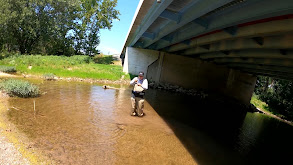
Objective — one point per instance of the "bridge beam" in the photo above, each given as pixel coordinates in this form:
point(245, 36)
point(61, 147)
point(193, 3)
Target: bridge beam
point(258, 61)
point(266, 73)
point(151, 16)
point(254, 53)
point(201, 22)
point(264, 68)
point(277, 27)
point(284, 41)
point(171, 16)
point(225, 19)
point(194, 10)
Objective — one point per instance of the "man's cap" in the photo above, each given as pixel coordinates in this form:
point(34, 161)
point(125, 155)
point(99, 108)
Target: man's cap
point(141, 74)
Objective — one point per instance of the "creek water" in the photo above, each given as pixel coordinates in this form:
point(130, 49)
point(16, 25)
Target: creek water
point(82, 123)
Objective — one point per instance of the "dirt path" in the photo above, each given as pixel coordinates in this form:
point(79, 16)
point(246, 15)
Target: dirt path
point(2, 74)
point(9, 154)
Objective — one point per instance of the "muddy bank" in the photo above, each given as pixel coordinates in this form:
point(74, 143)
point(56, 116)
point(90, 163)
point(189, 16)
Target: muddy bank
point(121, 81)
point(2, 74)
point(56, 78)
point(9, 154)
point(12, 148)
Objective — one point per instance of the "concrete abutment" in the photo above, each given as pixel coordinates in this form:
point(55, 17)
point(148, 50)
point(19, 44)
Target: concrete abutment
point(190, 73)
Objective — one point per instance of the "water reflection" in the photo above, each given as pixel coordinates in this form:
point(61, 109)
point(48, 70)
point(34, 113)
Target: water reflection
point(250, 131)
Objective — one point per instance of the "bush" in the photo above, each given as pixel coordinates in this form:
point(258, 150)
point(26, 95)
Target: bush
point(5, 54)
point(49, 76)
point(277, 94)
point(102, 59)
point(19, 88)
point(7, 69)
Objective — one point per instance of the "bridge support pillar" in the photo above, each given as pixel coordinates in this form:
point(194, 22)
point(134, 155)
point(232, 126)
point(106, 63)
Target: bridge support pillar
point(195, 73)
point(161, 67)
point(137, 60)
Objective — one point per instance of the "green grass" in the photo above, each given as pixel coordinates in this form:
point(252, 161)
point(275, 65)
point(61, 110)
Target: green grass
point(263, 106)
point(61, 66)
point(259, 104)
point(20, 88)
point(102, 59)
point(7, 69)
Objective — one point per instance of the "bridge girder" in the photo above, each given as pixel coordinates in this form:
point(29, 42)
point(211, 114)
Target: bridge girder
point(241, 34)
point(272, 28)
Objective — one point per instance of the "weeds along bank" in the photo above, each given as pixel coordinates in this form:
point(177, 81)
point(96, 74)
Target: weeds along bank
point(79, 66)
point(20, 88)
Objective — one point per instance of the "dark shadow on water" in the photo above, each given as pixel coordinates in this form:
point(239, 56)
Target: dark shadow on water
point(220, 132)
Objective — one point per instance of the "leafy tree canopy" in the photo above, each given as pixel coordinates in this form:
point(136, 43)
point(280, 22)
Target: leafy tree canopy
point(277, 93)
point(54, 26)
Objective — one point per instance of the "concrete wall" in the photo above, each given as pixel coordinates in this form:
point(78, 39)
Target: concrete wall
point(188, 72)
point(152, 74)
point(137, 60)
point(154, 70)
point(195, 73)
point(240, 85)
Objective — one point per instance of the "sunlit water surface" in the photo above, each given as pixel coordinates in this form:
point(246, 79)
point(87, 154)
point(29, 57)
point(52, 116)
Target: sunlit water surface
point(82, 123)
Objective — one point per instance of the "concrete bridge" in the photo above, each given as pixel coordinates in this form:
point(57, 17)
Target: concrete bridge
point(217, 45)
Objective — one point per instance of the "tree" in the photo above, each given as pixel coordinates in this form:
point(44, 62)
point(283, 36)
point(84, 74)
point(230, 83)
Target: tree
point(277, 93)
point(54, 26)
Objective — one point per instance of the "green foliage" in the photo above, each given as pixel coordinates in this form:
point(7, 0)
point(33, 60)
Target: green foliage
point(39, 60)
point(277, 94)
point(258, 103)
point(102, 59)
point(7, 69)
point(49, 76)
point(19, 88)
point(62, 66)
point(54, 26)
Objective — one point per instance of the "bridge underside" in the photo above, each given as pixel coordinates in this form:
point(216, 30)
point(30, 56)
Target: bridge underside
point(250, 37)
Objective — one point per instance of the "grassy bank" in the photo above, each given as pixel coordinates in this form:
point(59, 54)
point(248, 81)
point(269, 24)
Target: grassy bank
point(61, 66)
point(267, 110)
point(259, 104)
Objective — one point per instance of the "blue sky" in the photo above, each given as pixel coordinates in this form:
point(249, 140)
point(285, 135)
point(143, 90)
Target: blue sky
point(112, 41)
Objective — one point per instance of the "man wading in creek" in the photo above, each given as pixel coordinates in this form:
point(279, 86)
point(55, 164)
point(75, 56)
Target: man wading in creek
point(137, 97)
